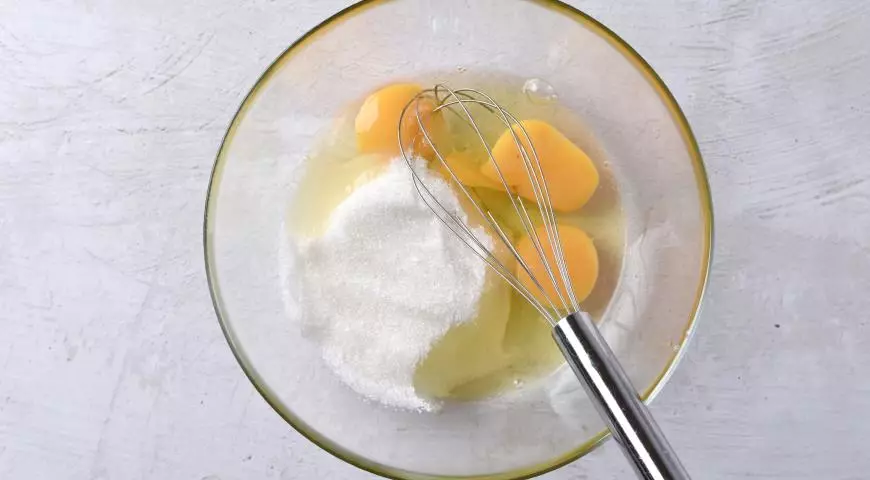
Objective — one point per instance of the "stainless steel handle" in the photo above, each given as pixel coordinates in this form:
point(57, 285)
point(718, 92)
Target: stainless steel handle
point(616, 399)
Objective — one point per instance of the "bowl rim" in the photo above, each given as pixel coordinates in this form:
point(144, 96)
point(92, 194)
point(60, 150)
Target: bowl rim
point(705, 201)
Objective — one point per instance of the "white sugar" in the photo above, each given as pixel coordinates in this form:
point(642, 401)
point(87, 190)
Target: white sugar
point(385, 281)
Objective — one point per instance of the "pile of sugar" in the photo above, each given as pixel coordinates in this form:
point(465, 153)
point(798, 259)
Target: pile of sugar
point(385, 282)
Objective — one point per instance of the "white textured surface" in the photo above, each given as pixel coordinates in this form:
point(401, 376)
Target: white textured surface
point(112, 365)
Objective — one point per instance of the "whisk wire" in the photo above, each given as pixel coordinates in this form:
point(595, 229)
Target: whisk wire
point(519, 207)
point(460, 229)
point(457, 101)
point(468, 98)
point(542, 198)
point(473, 243)
point(535, 172)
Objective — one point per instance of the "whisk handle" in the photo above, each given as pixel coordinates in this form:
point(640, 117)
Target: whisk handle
point(616, 399)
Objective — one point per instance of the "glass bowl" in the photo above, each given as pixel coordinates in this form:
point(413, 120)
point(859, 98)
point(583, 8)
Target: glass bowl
point(628, 110)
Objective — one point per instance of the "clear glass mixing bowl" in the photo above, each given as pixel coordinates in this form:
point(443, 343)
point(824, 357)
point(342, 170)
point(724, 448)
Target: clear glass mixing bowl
point(625, 105)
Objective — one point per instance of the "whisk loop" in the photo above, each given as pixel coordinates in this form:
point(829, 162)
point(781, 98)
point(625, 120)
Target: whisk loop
point(458, 102)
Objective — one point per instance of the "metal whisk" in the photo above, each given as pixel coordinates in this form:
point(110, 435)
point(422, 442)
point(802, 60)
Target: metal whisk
point(581, 343)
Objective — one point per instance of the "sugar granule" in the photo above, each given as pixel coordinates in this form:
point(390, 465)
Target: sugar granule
point(386, 281)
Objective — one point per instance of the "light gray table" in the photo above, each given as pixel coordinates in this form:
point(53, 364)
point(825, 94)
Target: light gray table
point(112, 365)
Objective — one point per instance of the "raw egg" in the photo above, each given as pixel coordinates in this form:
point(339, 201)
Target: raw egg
point(377, 121)
point(570, 175)
point(465, 168)
point(581, 260)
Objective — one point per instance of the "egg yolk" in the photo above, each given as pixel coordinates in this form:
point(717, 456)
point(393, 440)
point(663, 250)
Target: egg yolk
point(465, 169)
point(378, 118)
point(570, 175)
point(581, 260)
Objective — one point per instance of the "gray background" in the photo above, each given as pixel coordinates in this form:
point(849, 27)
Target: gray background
point(112, 365)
